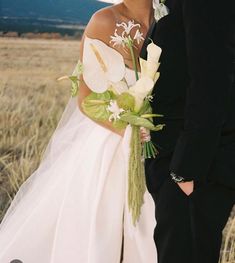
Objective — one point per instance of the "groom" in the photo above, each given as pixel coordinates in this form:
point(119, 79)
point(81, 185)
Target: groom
point(192, 181)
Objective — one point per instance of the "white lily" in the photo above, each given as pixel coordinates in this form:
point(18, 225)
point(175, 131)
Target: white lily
point(128, 26)
point(115, 110)
point(117, 40)
point(138, 36)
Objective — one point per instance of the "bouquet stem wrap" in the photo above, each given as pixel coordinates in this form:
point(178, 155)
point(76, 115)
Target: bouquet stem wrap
point(136, 176)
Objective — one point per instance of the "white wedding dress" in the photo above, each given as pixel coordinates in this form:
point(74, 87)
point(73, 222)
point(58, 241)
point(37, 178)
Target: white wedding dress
point(73, 208)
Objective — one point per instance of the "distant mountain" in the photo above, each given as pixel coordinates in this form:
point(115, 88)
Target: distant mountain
point(78, 11)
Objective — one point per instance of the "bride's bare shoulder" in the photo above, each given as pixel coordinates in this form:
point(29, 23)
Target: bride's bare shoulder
point(102, 24)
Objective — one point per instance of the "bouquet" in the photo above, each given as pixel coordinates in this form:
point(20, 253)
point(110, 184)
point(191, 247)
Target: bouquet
point(123, 105)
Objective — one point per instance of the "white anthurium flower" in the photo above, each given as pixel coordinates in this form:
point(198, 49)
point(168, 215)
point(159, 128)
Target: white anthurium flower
point(138, 36)
point(140, 90)
point(102, 65)
point(115, 110)
point(128, 26)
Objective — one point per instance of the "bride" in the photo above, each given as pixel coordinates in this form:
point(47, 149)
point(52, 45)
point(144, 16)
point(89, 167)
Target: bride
point(73, 208)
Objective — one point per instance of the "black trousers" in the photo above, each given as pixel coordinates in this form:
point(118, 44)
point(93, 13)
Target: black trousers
point(189, 228)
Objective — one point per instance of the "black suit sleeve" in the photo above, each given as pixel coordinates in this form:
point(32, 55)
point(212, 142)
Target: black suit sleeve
point(209, 31)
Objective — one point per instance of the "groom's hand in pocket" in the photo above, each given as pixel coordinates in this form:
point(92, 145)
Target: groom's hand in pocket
point(187, 187)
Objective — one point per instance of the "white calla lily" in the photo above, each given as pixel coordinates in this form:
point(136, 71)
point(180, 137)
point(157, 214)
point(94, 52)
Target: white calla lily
point(150, 66)
point(154, 52)
point(140, 90)
point(149, 69)
point(149, 75)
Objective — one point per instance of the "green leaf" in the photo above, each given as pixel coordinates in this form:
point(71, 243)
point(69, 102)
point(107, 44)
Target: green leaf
point(150, 115)
point(74, 86)
point(78, 70)
point(158, 127)
point(95, 105)
point(146, 108)
point(136, 120)
point(126, 101)
point(75, 79)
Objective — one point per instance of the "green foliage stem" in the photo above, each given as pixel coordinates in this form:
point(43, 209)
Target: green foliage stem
point(136, 177)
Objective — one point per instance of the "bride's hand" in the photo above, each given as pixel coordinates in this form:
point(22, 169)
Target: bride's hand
point(144, 135)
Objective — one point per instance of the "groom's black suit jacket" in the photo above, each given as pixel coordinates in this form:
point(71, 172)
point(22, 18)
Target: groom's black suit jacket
point(196, 89)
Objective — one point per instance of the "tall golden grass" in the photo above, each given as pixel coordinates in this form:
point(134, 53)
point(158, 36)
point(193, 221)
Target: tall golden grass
point(31, 103)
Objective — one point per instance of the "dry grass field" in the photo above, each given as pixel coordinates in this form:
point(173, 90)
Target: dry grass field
point(31, 103)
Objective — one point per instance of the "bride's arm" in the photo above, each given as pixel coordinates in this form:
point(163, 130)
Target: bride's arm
point(85, 91)
point(100, 27)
